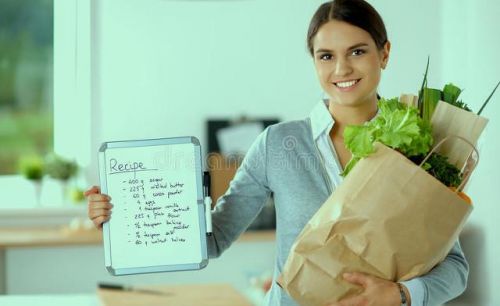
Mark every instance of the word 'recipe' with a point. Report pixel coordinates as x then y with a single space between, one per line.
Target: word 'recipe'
116 167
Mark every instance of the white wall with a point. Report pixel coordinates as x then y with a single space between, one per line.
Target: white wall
470 52
165 67
161 68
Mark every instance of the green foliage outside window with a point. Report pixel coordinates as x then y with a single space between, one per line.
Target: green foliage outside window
26 78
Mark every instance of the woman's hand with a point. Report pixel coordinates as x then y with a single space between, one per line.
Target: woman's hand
99 208
377 292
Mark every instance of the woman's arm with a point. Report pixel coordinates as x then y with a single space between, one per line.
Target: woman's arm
444 282
242 202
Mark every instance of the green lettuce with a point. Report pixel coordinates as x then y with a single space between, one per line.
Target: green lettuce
397 126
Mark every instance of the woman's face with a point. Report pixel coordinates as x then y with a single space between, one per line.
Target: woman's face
348 63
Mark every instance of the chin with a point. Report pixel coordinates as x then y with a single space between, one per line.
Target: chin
351 99
346 102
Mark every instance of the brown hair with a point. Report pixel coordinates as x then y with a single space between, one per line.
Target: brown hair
358 13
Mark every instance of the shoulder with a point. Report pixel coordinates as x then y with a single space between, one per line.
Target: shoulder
295 128
294 135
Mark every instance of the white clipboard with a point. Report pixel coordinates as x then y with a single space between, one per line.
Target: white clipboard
160 214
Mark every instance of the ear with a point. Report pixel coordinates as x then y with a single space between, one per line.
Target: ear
384 53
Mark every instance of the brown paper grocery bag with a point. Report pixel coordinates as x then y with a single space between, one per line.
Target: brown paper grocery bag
389 218
451 120
409 99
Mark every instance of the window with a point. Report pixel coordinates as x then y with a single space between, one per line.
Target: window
26 78
67 123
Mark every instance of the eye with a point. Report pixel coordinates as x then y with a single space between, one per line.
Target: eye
325 57
358 52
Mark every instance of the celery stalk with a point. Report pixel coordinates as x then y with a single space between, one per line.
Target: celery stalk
431 98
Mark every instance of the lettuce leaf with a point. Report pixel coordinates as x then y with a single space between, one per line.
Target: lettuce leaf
397 126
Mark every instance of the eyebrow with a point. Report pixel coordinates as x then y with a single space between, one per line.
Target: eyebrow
350 48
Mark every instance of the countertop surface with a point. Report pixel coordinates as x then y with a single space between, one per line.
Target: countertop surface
181 295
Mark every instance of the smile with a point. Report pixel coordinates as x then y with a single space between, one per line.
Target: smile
347 84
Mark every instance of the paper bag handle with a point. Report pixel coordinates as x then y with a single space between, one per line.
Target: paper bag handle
466 178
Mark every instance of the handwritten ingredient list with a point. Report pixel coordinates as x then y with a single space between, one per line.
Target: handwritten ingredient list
155 215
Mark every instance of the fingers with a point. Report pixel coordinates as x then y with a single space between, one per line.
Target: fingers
101 205
100 213
98 197
99 208
92 190
94 213
357 278
99 221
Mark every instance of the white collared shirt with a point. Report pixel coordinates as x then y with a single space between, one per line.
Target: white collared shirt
322 123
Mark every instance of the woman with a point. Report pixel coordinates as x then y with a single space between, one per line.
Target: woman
299 161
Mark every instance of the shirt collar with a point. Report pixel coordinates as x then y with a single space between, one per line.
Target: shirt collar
321 119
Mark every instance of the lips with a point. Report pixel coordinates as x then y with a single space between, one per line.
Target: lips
346 84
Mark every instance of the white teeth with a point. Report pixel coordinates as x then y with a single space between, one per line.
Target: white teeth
346 84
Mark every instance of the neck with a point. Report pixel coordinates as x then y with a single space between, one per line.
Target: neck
349 115
345 115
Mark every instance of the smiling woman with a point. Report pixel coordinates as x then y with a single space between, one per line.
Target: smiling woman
349 45
349 63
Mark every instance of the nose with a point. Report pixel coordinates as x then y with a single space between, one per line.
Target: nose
342 67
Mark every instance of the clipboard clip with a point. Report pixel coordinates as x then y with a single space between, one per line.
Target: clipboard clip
208 201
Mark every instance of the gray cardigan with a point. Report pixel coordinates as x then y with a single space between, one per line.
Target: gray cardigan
284 161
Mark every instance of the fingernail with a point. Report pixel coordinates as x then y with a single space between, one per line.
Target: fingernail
347 275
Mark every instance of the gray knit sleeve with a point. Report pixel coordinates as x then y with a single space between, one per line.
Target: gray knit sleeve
448 279
244 199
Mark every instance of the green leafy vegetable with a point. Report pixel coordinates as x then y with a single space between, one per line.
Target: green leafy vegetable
450 95
462 105
428 97
431 98
424 84
439 167
397 126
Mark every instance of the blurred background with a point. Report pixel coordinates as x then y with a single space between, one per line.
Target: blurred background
76 73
